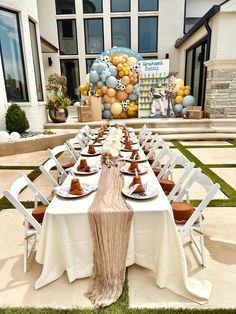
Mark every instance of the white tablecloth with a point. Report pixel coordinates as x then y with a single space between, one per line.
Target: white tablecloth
65 242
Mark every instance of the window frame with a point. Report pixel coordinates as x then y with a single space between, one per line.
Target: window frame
97 52
76 39
119 11
148 17
87 71
37 56
22 59
123 17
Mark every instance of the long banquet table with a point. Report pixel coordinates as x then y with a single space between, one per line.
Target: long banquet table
65 242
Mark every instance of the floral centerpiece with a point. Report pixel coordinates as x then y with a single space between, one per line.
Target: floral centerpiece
57 99
112 146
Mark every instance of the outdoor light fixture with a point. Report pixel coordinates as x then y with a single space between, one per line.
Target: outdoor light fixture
167 56
50 61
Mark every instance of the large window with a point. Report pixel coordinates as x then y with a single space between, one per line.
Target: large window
65 6
147 34
120 32
148 5
67 37
195 70
89 63
92 6
93 32
34 47
120 5
12 57
70 68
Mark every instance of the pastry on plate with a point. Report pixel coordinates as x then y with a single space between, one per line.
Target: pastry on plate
76 188
140 188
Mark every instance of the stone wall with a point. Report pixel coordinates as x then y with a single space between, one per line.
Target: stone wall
220 100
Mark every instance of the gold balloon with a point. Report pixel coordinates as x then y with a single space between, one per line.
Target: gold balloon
179 100
131 60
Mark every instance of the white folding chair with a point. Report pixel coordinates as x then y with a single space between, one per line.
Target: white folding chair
142 132
54 152
159 143
148 144
31 225
145 138
46 170
71 145
167 171
82 139
86 131
195 222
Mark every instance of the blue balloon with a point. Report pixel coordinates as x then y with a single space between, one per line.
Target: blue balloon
94 77
111 82
188 101
100 84
113 70
94 66
101 67
102 107
178 108
133 96
106 114
107 105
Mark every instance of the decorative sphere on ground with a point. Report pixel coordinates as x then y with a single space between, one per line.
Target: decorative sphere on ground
15 136
106 114
188 101
4 136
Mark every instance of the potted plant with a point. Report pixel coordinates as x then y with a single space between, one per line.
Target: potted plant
58 102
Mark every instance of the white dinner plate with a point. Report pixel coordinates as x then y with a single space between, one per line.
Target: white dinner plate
126 158
143 169
151 191
63 191
133 141
85 152
93 169
95 144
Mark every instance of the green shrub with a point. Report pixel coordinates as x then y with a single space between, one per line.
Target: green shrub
16 120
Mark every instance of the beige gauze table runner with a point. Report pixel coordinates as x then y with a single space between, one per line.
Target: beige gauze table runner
110 220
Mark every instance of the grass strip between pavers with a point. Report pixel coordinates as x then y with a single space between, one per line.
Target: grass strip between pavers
225 187
18 167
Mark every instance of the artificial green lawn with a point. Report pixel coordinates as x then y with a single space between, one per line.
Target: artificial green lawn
122 305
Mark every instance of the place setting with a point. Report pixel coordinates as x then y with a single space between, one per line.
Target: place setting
84 168
135 156
75 189
91 151
137 190
133 168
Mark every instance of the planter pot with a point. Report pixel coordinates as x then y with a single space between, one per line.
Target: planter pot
58 115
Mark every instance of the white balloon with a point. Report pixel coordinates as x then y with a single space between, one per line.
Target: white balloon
4 136
15 136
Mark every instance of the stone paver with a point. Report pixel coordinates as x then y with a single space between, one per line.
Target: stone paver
7 177
28 159
205 143
215 155
220 245
17 287
227 174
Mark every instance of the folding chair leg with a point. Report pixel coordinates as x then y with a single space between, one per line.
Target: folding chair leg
203 250
26 254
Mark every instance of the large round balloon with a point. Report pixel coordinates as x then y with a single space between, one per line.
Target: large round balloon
106 114
106 98
179 100
116 108
188 101
129 88
121 95
111 92
111 82
107 105
94 77
101 67
113 70
133 96
100 84
179 108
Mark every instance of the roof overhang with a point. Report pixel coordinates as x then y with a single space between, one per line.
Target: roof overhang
47 47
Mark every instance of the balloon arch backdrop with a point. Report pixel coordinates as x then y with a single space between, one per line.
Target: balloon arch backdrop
114 76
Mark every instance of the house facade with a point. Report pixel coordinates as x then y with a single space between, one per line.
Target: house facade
66 36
